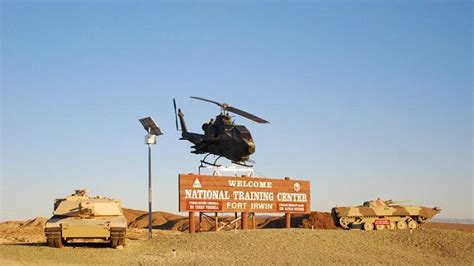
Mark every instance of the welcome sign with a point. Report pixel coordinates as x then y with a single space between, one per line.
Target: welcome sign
201 193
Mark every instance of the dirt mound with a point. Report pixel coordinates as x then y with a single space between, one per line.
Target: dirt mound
131 214
169 221
36 222
316 220
319 220
22 231
160 220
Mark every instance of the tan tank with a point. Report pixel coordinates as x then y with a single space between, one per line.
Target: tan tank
79 216
383 214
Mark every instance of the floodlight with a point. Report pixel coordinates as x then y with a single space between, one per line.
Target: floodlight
150 139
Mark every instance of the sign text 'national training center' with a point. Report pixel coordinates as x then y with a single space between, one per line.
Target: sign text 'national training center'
200 193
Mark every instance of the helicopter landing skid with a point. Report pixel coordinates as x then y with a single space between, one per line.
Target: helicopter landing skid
205 163
229 170
243 164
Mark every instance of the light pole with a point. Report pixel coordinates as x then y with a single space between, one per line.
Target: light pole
153 131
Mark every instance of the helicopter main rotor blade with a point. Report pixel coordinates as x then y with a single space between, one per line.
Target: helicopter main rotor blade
246 115
209 101
234 110
175 114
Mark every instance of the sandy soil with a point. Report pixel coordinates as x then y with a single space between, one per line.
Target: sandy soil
23 242
270 246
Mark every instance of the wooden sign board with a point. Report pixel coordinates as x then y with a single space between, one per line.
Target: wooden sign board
201 193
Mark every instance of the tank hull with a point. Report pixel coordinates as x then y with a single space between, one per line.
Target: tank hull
98 227
383 217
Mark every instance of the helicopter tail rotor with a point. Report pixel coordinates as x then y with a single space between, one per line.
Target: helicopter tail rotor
175 114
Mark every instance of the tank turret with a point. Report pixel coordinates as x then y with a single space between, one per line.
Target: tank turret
380 203
383 214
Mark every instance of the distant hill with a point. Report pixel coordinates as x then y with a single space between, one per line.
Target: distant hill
453 220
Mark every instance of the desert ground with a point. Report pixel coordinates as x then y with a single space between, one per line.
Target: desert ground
23 243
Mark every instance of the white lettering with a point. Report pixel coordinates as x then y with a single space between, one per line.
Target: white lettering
292 197
206 194
261 206
245 183
236 205
253 195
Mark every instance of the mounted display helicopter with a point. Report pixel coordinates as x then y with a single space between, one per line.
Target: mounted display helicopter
221 136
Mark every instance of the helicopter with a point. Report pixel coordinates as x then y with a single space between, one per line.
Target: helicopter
221 136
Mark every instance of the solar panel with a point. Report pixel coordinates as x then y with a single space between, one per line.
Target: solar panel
149 124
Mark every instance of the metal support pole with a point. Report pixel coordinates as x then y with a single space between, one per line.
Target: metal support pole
153 131
287 215
150 235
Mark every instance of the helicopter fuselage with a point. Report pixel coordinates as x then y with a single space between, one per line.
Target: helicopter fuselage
221 137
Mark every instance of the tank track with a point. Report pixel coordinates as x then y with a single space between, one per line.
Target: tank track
396 222
117 237
54 238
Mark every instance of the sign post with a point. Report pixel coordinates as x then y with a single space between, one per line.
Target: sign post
245 220
192 223
287 215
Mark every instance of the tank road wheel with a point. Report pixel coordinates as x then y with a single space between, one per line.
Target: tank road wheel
412 224
379 226
368 226
421 220
401 225
393 226
344 222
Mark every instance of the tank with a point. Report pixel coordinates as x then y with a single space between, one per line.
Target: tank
79 216
383 214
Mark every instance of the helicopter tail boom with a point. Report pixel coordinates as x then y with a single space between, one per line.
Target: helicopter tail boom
184 129
185 134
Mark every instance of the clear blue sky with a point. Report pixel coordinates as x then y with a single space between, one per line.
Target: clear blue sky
365 100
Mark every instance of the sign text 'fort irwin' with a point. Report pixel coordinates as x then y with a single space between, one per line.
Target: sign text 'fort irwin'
201 193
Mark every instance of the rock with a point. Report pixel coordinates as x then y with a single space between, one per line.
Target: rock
119 247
